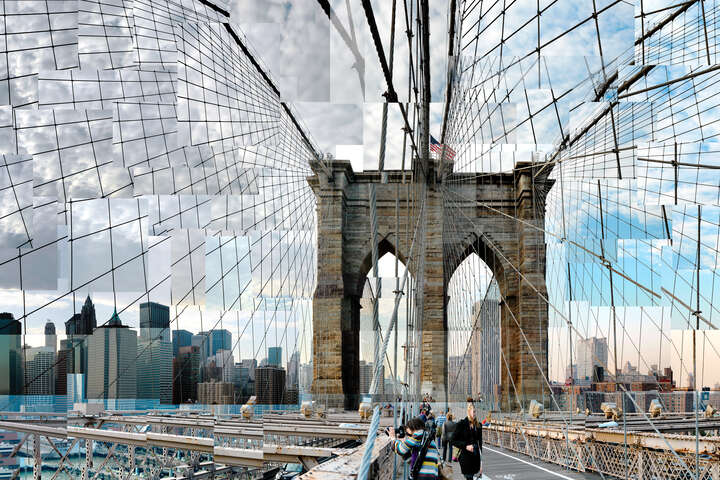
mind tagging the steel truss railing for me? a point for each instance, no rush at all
(156, 447)
(646, 455)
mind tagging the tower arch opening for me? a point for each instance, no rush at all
(474, 340)
(391, 269)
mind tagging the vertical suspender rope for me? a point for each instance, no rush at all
(378, 284)
(696, 402)
(373, 197)
(383, 131)
(375, 422)
(390, 96)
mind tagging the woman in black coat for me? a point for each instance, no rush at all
(468, 438)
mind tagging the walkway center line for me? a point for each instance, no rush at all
(531, 464)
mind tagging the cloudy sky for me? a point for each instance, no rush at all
(211, 211)
(309, 59)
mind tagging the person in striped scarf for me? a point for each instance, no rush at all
(409, 447)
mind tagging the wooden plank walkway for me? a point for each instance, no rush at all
(501, 464)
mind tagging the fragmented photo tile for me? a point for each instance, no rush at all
(284, 239)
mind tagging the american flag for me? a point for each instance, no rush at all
(438, 148)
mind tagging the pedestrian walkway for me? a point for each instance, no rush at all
(501, 464)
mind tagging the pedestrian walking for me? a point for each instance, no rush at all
(468, 438)
(447, 431)
(440, 419)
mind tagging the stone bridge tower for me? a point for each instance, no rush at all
(500, 217)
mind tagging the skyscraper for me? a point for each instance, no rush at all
(367, 370)
(61, 368)
(216, 393)
(78, 328)
(242, 382)
(365, 376)
(154, 362)
(83, 323)
(39, 371)
(8, 324)
(275, 356)
(154, 321)
(215, 340)
(485, 348)
(459, 375)
(71, 360)
(306, 376)
(180, 338)
(269, 385)
(590, 353)
(87, 316)
(76, 353)
(11, 361)
(629, 369)
(293, 366)
(50, 336)
(251, 364)
(186, 374)
(112, 350)
(224, 362)
(154, 370)
(72, 325)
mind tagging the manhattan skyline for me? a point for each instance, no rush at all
(130, 317)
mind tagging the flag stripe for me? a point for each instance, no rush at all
(442, 150)
(449, 152)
